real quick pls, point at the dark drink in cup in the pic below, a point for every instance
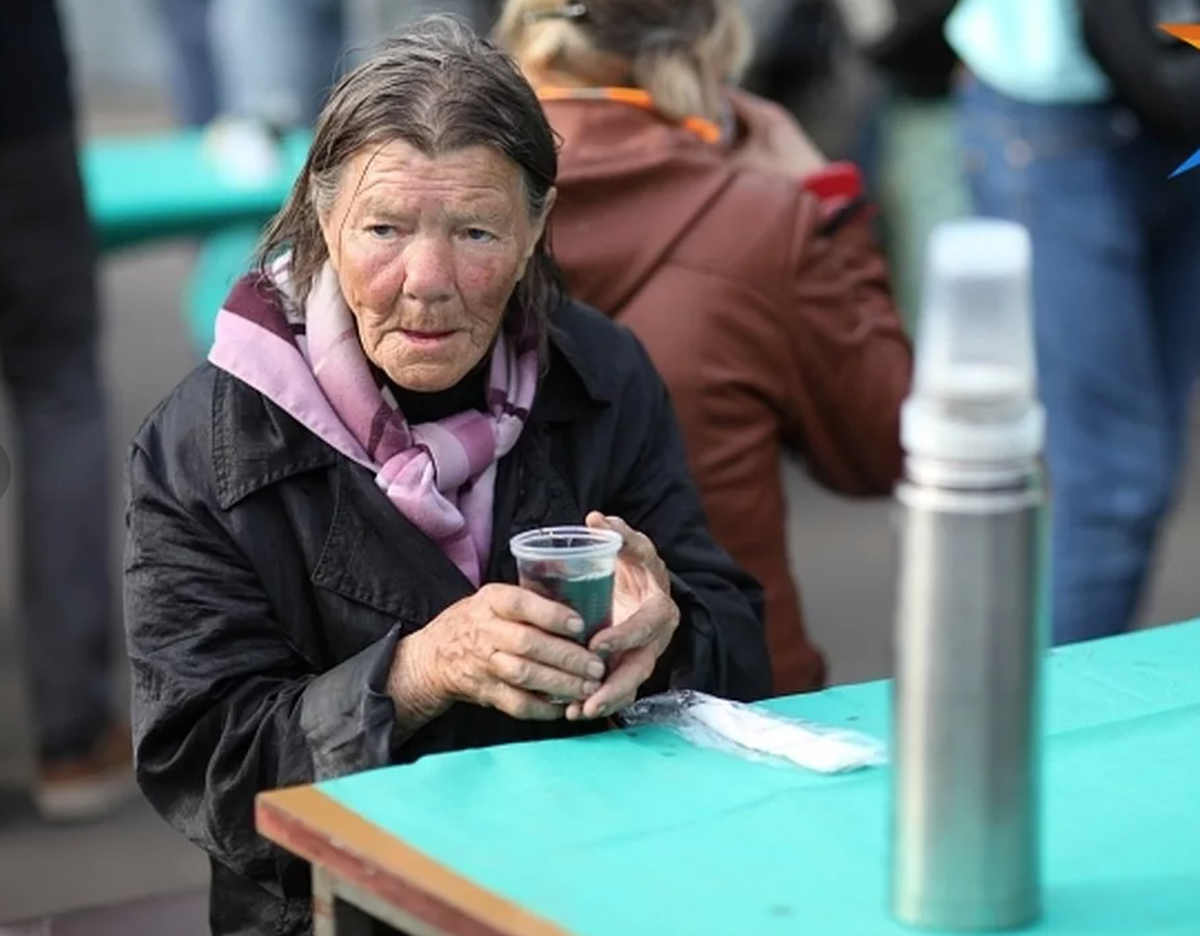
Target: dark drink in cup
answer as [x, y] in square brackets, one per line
[590, 597]
[571, 565]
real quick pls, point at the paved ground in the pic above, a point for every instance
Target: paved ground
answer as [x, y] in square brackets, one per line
[842, 550]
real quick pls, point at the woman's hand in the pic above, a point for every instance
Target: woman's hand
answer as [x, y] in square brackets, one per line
[505, 648]
[644, 621]
[774, 141]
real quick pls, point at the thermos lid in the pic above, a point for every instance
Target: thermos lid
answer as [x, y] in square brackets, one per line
[974, 394]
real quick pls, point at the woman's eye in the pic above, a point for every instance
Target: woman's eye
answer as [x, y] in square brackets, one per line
[478, 235]
[381, 230]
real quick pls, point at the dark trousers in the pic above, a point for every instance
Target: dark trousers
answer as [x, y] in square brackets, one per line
[48, 359]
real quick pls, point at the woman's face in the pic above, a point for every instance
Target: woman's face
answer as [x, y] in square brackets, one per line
[428, 252]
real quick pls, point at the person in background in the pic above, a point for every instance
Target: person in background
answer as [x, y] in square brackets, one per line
[222, 67]
[283, 81]
[703, 218]
[1116, 286]
[49, 331]
[190, 60]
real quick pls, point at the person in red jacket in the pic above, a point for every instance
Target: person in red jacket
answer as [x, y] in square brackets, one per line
[703, 219]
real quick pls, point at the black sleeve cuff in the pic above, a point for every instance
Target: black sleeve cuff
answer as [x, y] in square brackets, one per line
[346, 714]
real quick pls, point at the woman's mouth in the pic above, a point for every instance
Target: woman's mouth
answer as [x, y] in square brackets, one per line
[427, 338]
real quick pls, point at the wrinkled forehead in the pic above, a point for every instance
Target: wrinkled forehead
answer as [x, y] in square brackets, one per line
[395, 173]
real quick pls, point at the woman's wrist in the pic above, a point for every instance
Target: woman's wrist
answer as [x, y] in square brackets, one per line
[413, 686]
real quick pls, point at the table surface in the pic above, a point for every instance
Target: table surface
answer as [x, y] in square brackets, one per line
[611, 835]
[146, 187]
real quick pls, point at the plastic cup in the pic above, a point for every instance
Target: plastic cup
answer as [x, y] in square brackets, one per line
[573, 565]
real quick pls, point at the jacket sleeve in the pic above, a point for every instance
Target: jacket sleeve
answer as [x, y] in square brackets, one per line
[720, 646]
[224, 705]
[849, 362]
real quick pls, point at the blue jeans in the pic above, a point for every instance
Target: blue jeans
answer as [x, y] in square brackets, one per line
[271, 59]
[1116, 289]
[277, 59]
[189, 58]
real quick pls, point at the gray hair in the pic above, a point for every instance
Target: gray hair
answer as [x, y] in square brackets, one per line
[438, 87]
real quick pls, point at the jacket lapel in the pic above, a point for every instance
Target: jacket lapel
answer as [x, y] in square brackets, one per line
[374, 556]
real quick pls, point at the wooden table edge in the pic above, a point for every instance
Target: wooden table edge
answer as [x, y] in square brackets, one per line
[319, 829]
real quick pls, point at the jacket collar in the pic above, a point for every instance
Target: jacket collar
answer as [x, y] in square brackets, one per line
[256, 444]
[705, 130]
[603, 133]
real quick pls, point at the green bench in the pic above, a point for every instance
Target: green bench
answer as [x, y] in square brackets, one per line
[148, 188]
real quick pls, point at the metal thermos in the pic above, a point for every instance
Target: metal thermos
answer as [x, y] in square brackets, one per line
[969, 642]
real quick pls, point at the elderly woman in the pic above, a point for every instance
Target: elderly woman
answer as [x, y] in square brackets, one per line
[704, 220]
[318, 577]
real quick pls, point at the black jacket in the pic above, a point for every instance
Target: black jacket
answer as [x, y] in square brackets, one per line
[268, 580]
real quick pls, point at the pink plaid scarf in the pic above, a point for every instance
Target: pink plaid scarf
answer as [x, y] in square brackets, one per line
[441, 475]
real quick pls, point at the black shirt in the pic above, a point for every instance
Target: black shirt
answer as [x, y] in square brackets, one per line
[35, 83]
[470, 393]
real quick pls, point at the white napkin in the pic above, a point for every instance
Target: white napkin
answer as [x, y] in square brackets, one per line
[740, 729]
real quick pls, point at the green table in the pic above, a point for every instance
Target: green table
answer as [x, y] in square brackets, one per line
[639, 834]
[150, 187]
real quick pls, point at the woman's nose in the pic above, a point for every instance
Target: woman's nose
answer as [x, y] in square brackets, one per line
[429, 269]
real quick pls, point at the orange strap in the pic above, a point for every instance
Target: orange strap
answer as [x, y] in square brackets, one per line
[708, 131]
